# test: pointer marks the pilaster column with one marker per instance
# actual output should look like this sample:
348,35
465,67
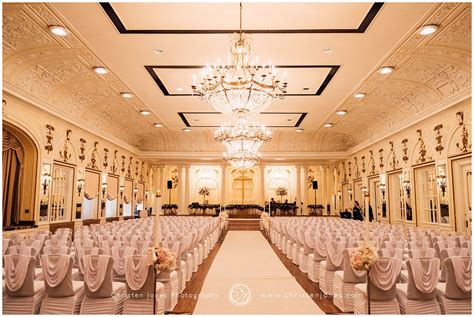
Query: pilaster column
162,184
154,190
324,187
181,190
223,185
304,193
187,192
298,188
262,185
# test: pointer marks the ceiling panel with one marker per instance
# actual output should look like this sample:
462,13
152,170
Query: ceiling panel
215,119
306,80
205,18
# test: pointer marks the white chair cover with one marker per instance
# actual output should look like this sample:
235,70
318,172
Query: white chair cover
136,273
16,267
55,268
462,273
94,273
425,279
384,273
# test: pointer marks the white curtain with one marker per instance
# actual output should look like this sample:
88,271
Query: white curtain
127,209
110,207
88,207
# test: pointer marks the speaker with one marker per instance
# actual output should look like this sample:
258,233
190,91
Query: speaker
170,185
315,184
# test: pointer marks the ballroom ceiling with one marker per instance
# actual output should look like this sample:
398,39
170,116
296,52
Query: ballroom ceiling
330,51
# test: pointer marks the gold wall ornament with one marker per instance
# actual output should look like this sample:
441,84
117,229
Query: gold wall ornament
464,145
49,138
405,150
363,163
349,169
106,156
123,164
64,154
93,162
356,168
394,162
381,165
129,167
136,168
4,107
439,138
344,172
82,155
422,152
113,167
372,163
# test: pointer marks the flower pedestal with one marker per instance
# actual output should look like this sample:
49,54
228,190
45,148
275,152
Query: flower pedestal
368,291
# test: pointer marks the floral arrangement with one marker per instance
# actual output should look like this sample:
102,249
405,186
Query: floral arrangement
265,220
281,191
163,259
363,258
204,191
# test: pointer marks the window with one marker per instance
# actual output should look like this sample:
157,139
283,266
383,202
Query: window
427,194
397,197
61,193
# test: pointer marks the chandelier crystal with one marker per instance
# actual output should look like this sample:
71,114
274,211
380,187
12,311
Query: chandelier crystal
242,142
243,86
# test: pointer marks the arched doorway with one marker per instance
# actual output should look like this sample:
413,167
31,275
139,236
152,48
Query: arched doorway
19,178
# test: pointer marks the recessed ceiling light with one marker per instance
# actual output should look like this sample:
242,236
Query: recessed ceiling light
187,129
299,130
341,112
288,119
145,112
327,50
101,70
126,94
385,70
327,125
179,89
158,125
305,88
158,51
359,95
58,30
428,29
196,120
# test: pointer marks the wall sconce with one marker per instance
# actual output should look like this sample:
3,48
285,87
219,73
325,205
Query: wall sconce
339,194
406,187
46,180
158,193
146,194
135,192
365,191
349,191
382,188
80,186
121,190
104,189
441,182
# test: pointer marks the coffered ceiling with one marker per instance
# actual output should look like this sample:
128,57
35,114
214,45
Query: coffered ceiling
329,51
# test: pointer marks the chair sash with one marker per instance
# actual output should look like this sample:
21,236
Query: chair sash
462,273
425,277
16,268
422,253
136,271
384,273
52,249
55,268
119,254
95,268
334,252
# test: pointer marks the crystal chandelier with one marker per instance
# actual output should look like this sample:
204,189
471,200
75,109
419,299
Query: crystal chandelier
243,86
242,142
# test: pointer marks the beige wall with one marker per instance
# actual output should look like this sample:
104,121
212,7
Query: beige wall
407,155
33,120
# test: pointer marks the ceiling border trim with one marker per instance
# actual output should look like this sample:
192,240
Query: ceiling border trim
183,114
122,29
151,70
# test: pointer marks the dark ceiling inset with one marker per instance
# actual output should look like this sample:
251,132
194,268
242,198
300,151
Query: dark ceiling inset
370,16
183,117
151,70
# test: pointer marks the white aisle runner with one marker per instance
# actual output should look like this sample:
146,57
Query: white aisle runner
247,277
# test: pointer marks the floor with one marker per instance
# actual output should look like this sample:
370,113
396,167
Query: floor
247,277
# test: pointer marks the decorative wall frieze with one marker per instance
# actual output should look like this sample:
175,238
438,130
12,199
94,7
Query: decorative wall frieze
64,154
93,162
439,138
372,163
405,157
463,145
49,138
363,163
394,161
422,152
106,157
381,165
82,149
122,169
129,167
